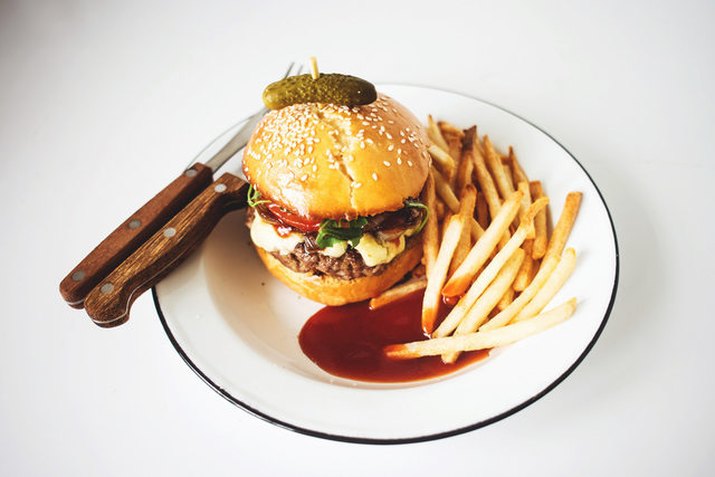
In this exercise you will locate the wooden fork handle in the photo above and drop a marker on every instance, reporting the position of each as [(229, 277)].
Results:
[(134, 231), (108, 304)]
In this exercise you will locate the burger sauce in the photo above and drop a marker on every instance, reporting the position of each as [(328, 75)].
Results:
[(348, 341)]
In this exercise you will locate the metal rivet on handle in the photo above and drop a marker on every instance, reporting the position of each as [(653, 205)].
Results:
[(190, 172), (78, 275), (169, 232), (135, 224), (107, 288), (220, 188)]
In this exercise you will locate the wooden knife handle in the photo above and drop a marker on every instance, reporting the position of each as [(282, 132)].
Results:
[(134, 231), (108, 304)]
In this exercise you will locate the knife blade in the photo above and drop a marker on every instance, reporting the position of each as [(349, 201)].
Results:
[(146, 221)]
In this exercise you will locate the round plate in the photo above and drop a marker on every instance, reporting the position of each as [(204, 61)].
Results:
[(237, 327)]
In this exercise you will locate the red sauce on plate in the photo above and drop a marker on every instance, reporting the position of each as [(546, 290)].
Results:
[(348, 341)]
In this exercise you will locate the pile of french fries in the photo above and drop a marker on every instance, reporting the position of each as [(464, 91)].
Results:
[(488, 250)]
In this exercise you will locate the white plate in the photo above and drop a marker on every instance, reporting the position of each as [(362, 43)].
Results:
[(237, 327)]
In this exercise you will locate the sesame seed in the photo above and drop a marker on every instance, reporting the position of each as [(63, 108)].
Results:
[(387, 163), (409, 163), (402, 141), (303, 177), (374, 176), (357, 185), (399, 161), (390, 147), (362, 144)]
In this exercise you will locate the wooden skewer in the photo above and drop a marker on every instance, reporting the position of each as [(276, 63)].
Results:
[(314, 68)]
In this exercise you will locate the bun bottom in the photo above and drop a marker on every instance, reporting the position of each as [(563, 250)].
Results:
[(335, 291)]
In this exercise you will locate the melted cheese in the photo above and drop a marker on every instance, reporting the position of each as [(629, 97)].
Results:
[(265, 236), (374, 252), (336, 250)]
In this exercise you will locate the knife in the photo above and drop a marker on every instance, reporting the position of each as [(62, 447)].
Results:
[(108, 304), (145, 222)]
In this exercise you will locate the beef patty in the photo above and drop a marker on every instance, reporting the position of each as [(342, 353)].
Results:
[(306, 256)]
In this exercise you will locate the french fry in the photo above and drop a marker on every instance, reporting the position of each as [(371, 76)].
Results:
[(452, 136), (525, 272), (505, 316), (525, 202), (464, 172), (465, 167), (435, 134), (397, 293), (507, 298), (486, 183), (483, 280), (479, 313), (493, 161), (540, 239), (551, 287), (476, 230), (518, 171), (448, 215), (430, 235), (466, 209), (508, 174), (445, 192), (443, 161), (484, 339), (482, 250), (482, 211), (436, 278), (440, 209), (565, 224)]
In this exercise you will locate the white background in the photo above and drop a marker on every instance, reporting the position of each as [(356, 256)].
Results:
[(103, 103)]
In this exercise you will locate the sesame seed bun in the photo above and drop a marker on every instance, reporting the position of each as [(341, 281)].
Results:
[(335, 291), (328, 161)]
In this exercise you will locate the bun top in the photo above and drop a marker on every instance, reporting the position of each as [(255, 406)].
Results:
[(328, 161)]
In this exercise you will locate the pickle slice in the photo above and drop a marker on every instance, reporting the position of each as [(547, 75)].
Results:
[(331, 88)]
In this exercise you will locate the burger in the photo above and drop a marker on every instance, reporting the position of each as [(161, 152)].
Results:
[(335, 210)]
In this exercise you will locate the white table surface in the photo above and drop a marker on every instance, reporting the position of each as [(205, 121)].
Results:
[(103, 103)]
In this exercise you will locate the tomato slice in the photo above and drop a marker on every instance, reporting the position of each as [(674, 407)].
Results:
[(301, 223)]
